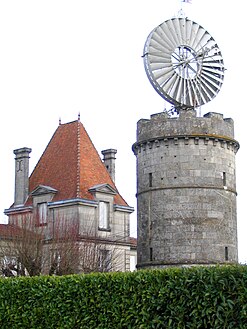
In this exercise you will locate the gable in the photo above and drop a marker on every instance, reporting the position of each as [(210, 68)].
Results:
[(103, 188), (41, 189)]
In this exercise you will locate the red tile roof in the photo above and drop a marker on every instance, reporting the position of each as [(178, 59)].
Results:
[(11, 231), (133, 241), (7, 230), (71, 165)]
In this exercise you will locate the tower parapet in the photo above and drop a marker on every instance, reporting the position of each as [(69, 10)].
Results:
[(186, 190), (211, 124)]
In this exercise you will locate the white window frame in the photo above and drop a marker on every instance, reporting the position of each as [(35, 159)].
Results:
[(104, 215)]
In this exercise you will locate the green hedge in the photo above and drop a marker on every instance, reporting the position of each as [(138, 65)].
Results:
[(200, 297)]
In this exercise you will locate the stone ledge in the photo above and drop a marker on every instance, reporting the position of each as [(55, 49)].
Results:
[(172, 187), (223, 141)]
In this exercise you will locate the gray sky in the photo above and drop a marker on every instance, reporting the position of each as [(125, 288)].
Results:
[(59, 58)]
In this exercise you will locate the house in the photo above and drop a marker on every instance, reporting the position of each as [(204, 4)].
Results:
[(71, 192)]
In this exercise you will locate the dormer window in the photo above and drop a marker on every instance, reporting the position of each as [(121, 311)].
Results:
[(42, 213), (104, 215)]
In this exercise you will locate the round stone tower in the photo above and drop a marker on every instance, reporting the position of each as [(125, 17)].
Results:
[(186, 190)]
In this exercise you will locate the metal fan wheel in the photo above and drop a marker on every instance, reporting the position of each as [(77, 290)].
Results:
[(183, 63)]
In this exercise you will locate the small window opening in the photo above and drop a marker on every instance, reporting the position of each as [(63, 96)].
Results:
[(226, 253), (224, 178), (151, 254), (150, 180)]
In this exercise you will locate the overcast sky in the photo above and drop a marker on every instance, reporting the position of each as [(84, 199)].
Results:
[(59, 58)]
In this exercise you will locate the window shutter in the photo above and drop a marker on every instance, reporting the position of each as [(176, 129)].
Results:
[(42, 207), (103, 215)]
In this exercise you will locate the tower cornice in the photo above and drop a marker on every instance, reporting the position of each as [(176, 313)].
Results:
[(155, 142)]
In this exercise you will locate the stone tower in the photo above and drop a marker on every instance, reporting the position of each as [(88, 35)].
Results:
[(186, 190)]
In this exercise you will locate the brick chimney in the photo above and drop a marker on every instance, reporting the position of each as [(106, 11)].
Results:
[(21, 175), (109, 161)]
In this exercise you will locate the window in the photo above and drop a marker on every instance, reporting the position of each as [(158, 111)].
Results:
[(105, 260), (132, 263), (103, 215), (150, 178), (224, 178), (42, 213), (226, 254)]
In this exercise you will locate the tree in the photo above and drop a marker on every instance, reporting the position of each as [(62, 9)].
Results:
[(75, 251), (22, 250), (58, 249), (63, 247)]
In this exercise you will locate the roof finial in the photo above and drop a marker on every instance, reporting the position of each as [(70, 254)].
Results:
[(59, 121), (79, 116)]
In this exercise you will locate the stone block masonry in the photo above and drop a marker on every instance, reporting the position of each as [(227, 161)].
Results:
[(186, 190)]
